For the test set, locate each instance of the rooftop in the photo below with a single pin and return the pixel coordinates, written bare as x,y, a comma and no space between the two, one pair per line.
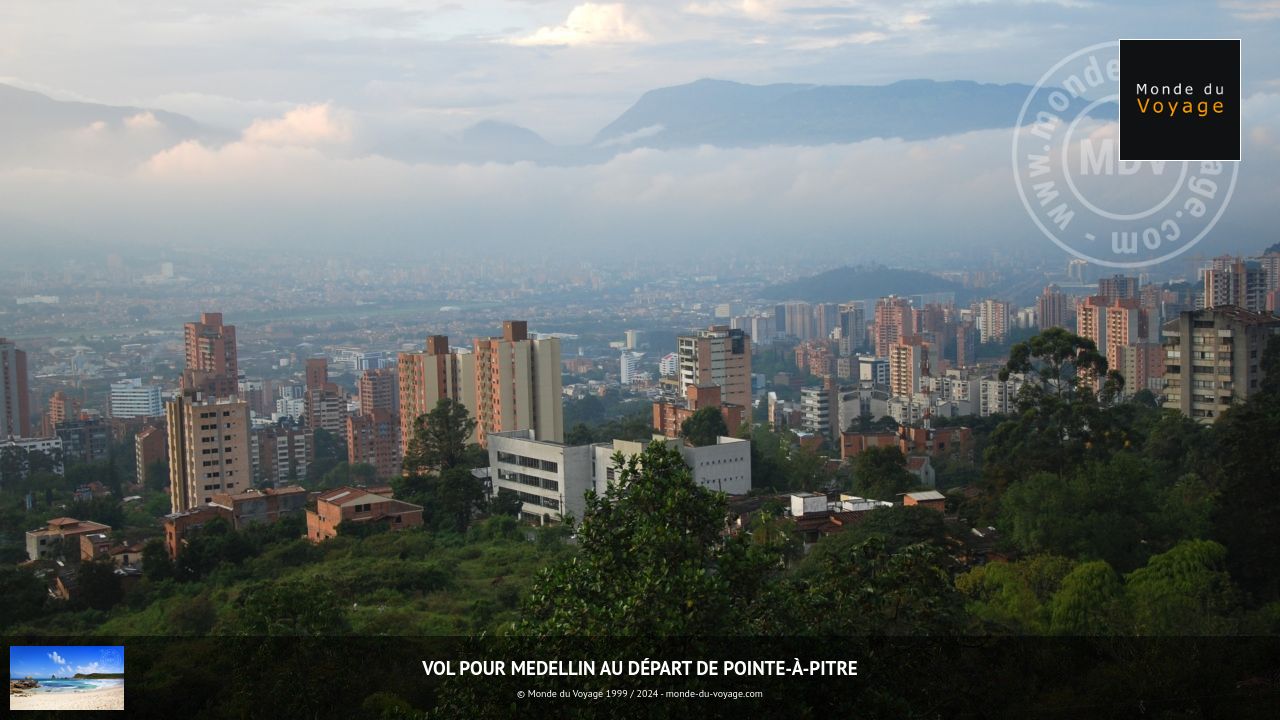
926,495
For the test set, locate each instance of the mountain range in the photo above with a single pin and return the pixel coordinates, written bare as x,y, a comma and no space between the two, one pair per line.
706,112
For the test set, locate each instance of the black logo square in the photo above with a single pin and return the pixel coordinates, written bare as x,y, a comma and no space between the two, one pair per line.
1180,99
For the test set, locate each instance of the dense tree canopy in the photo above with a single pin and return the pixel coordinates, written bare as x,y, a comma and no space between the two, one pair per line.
704,426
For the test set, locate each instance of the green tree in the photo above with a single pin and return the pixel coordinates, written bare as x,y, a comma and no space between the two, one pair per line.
1185,591
99,586
22,595
880,473
289,608
346,474
866,590
505,502
1056,360
1060,423
704,426
1088,602
579,434
156,563
439,438
1104,510
897,527
195,616
1012,597
1246,514
653,560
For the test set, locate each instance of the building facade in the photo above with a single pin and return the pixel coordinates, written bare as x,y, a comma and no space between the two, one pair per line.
373,438
212,361
379,390
717,356
281,454
1213,359
550,478
343,505
131,399
209,448
15,396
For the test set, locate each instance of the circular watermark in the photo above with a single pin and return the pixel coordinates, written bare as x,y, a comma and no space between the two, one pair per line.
1082,196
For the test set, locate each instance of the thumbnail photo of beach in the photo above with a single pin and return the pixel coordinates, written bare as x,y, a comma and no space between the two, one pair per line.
66,677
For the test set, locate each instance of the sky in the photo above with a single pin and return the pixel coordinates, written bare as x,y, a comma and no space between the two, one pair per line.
307,91
64,660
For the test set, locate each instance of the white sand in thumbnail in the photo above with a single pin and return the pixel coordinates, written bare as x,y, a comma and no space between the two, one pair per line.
108,698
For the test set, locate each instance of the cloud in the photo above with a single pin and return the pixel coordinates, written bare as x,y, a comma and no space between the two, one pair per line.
908,202
145,120
306,126
825,43
56,658
589,24
1254,10
759,10
93,667
628,138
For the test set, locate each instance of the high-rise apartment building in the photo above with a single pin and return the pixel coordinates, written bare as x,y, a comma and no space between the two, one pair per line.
149,447
629,367
1091,320
908,363
373,438
131,399
1270,264
994,326
669,365
518,384
825,320
84,440
1139,363
1112,324
259,395
212,365
1052,309
1118,287
1242,283
853,325
427,376
61,408
717,356
209,448
795,319
1213,358
280,455
893,321
966,344
15,397
761,329
325,407
317,373
1126,324
379,390
510,382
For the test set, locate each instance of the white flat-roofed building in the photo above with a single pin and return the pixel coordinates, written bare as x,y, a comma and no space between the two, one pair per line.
551,478
723,467
131,398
